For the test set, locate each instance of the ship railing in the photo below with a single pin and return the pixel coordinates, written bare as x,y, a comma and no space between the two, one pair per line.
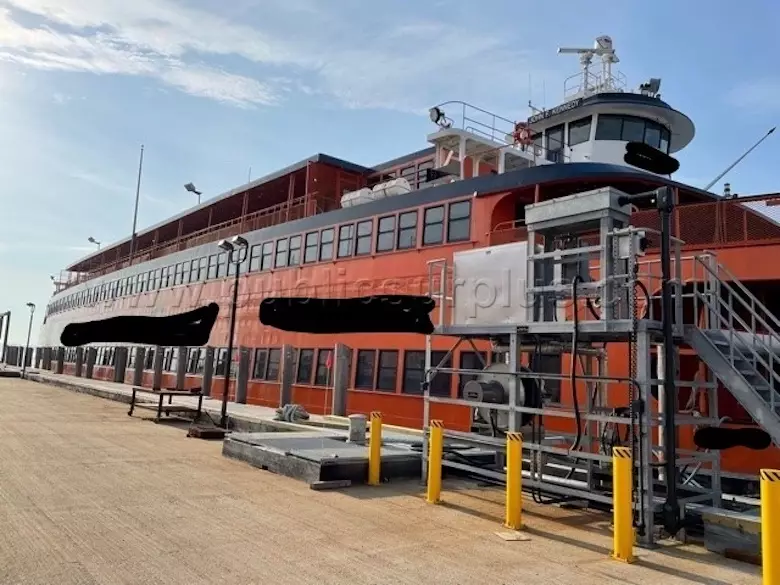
582,84
490,126
747,221
298,208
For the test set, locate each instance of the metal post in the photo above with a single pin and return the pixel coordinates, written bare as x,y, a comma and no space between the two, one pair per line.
135,213
436,441
229,359
623,512
671,508
6,320
514,479
375,448
27,345
770,526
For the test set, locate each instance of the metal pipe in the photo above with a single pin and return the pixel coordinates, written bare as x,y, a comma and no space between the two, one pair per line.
27,345
659,373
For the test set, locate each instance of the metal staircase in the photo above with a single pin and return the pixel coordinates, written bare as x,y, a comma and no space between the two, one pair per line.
738,339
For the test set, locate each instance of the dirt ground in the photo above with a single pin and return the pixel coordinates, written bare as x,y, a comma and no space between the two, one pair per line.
89,495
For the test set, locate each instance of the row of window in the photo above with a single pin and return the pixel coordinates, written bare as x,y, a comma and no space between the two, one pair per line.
609,127
375,369
440,223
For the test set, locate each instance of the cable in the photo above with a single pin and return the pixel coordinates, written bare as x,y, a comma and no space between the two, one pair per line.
573,372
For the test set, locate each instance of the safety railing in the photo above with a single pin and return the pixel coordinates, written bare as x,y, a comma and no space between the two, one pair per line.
748,326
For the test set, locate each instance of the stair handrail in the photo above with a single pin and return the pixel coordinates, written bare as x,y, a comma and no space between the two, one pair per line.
772,378
747,292
771,331
732,351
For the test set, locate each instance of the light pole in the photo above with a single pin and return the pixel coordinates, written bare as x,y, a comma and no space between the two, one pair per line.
92,240
27,345
191,188
241,246
5,318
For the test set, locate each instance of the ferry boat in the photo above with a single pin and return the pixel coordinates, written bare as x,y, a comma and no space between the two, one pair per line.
327,227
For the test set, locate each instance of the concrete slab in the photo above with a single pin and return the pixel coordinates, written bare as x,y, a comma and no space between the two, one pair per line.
92,496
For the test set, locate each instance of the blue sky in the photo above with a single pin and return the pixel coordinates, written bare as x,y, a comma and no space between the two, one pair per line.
214,88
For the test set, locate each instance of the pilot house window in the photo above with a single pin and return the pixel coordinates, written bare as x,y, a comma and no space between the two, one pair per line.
459,222
579,131
407,230
385,239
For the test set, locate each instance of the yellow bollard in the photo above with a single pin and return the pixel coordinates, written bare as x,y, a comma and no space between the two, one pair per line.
514,481
435,452
623,514
770,526
374,448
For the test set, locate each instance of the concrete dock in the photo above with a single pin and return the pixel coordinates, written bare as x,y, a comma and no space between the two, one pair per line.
89,495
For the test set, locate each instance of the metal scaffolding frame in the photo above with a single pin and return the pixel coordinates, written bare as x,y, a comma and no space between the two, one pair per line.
587,476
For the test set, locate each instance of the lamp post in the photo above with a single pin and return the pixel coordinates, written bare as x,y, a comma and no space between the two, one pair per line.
27,345
92,240
240,246
191,188
5,318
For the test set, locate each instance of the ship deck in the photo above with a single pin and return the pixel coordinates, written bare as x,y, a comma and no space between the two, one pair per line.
94,496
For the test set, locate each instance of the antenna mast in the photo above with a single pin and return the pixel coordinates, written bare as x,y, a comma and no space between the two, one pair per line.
739,160
602,47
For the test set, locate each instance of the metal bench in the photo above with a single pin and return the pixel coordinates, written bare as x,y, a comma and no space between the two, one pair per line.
169,408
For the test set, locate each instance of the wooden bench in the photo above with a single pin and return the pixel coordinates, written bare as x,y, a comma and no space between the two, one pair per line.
160,407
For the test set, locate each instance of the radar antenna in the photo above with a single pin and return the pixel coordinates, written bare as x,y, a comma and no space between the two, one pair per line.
602,47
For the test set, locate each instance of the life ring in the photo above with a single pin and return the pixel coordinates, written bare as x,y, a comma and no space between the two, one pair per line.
522,134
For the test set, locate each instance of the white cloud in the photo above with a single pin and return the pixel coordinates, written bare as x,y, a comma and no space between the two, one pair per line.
297,45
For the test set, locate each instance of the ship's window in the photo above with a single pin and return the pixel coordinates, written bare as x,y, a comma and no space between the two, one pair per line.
469,360
165,271
261,364
221,362
254,257
158,278
326,244
129,285
322,375
310,248
414,373
305,366
664,147
168,359
364,371
385,238
579,131
609,127
388,370
633,130
346,235
295,251
179,274
268,254
196,360
653,135
281,253
433,225
221,265
212,271
193,268
407,230
459,222
274,360
149,358
363,241
555,143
